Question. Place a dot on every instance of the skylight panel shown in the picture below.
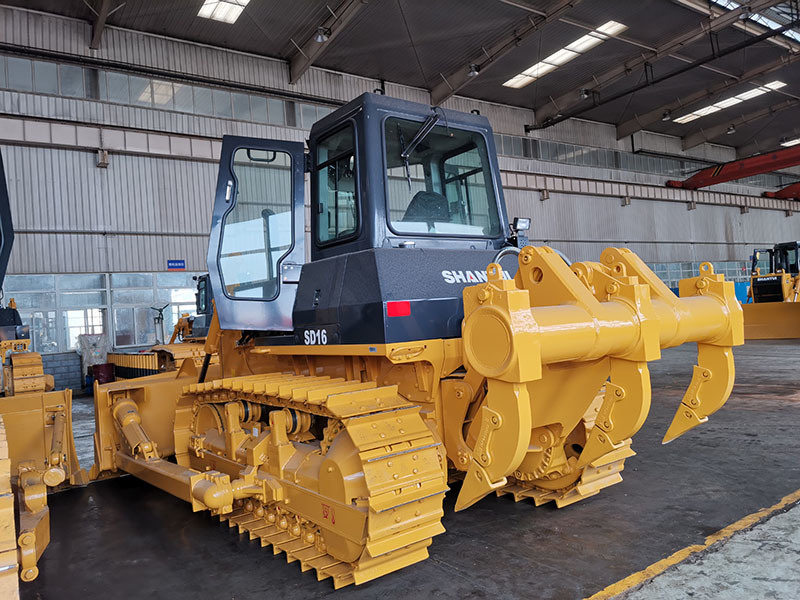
(732, 101)
(226, 11)
(585, 43)
(570, 52)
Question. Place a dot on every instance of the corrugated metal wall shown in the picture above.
(72, 216)
(657, 231)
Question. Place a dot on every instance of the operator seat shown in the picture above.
(427, 207)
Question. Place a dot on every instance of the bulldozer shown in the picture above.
(772, 310)
(419, 342)
(186, 342)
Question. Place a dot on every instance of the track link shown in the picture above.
(401, 460)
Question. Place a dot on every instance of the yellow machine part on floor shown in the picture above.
(37, 454)
(771, 320)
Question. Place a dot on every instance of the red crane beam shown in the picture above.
(738, 169)
(788, 193)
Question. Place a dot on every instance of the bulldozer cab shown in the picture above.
(783, 257)
(384, 174)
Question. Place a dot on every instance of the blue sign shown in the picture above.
(176, 265)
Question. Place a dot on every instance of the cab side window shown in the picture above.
(257, 231)
(336, 202)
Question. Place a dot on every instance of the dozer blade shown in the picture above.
(771, 320)
(711, 385)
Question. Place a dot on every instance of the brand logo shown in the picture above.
(468, 276)
(327, 513)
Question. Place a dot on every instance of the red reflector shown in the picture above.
(401, 308)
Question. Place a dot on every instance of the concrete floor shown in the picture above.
(122, 538)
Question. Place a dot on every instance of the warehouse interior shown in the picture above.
(667, 127)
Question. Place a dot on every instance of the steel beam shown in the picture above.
(737, 169)
(791, 192)
(639, 122)
(568, 101)
(99, 24)
(766, 144)
(305, 55)
(597, 100)
(454, 81)
(712, 133)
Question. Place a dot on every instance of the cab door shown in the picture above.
(6, 227)
(257, 243)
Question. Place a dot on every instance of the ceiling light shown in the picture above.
(322, 35)
(667, 116)
(226, 11)
(731, 130)
(788, 143)
(570, 52)
(584, 93)
(474, 70)
(728, 102)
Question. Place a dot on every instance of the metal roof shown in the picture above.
(425, 43)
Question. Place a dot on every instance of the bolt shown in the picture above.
(484, 458)
(389, 464)
(702, 284)
(330, 469)
(395, 476)
(612, 288)
(495, 420)
(483, 295)
(397, 519)
(459, 393)
(415, 471)
(402, 431)
(413, 457)
(618, 393)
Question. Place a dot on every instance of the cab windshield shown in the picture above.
(444, 186)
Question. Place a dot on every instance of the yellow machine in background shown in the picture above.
(186, 341)
(773, 307)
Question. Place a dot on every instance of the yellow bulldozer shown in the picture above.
(403, 358)
(772, 310)
(186, 341)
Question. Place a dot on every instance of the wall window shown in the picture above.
(45, 77)
(71, 81)
(183, 100)
(241, 107)
(58, 308)
(222, 104)
(163, 94)
(80, 321)
(337, 211)
(19, 74)
(141, 91)
(117, 85)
